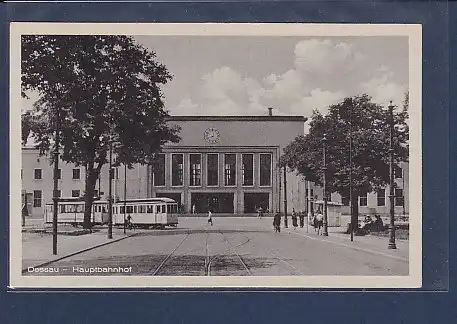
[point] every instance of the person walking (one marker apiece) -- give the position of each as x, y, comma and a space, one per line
294, 218
301, 215
210, 217
277, 222
320, 222
193, 209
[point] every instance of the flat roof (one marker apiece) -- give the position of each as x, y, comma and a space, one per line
238, 118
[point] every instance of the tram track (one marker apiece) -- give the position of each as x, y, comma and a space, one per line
232, 248
278, 257
164, 261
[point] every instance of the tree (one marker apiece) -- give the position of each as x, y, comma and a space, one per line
98, 91
370, 147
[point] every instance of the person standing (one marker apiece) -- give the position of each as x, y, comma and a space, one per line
210, 217
294, 218
277, 222
193, 209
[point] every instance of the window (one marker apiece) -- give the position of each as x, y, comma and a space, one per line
76, 174
345, 200
157, 209
129, 209
381, 193
398, 172
37, 174
247, 169
399, 199
159, 170
230, 169
177, 169
265, 169
37, 198
163, 209
212, 167
195, 170
75, 193
150, 209
95, 193
363, 200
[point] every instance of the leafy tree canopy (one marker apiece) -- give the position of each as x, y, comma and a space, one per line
97, 90
370, 145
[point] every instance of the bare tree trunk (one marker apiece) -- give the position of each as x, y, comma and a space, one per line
91, 181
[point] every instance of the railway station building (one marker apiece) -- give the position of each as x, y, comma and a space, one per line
224, 163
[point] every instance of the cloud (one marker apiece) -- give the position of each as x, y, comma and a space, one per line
323, 73
383, 89
324, 56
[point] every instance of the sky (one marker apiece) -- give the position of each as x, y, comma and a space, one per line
244, 75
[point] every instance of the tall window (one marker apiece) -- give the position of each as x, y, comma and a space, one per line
37, 174
398, 172
230, 169
345, 200
159, 170
248, 169
212, 167
381, 193
76, 174
75, 193
195, 170
177, 169
363, 200
265, 169
37, 198
399, 199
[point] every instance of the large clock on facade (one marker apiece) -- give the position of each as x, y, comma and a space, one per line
212, 135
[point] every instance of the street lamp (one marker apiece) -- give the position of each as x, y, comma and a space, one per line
351, 207
392, 244
55, 195
285, 198
110, 197
324, 173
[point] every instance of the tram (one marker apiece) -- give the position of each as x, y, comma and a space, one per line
71, 211
146, 212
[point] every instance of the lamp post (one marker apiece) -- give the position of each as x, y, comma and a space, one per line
110, 197
55, 195
285, 198
392, 244
351, 207
324, 173
125, 191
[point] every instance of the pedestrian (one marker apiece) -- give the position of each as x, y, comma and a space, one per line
301, 215
294, 218
210, 217
277, 222
320, 222
193, 209
128, 222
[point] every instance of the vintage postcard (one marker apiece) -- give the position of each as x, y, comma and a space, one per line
215, 155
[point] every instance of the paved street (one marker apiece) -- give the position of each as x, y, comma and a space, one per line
239, 247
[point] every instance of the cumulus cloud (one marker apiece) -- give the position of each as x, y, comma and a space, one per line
383, 89
317, 64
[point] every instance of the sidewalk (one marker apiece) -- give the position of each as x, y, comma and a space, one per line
368, 243
37, 248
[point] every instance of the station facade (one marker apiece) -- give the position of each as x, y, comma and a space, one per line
224, 163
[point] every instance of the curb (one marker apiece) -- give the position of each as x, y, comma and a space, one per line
80, 251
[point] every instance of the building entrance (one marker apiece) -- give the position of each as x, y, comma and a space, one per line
217, 202
253, 201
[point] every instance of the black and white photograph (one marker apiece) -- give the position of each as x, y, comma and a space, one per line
215, 155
